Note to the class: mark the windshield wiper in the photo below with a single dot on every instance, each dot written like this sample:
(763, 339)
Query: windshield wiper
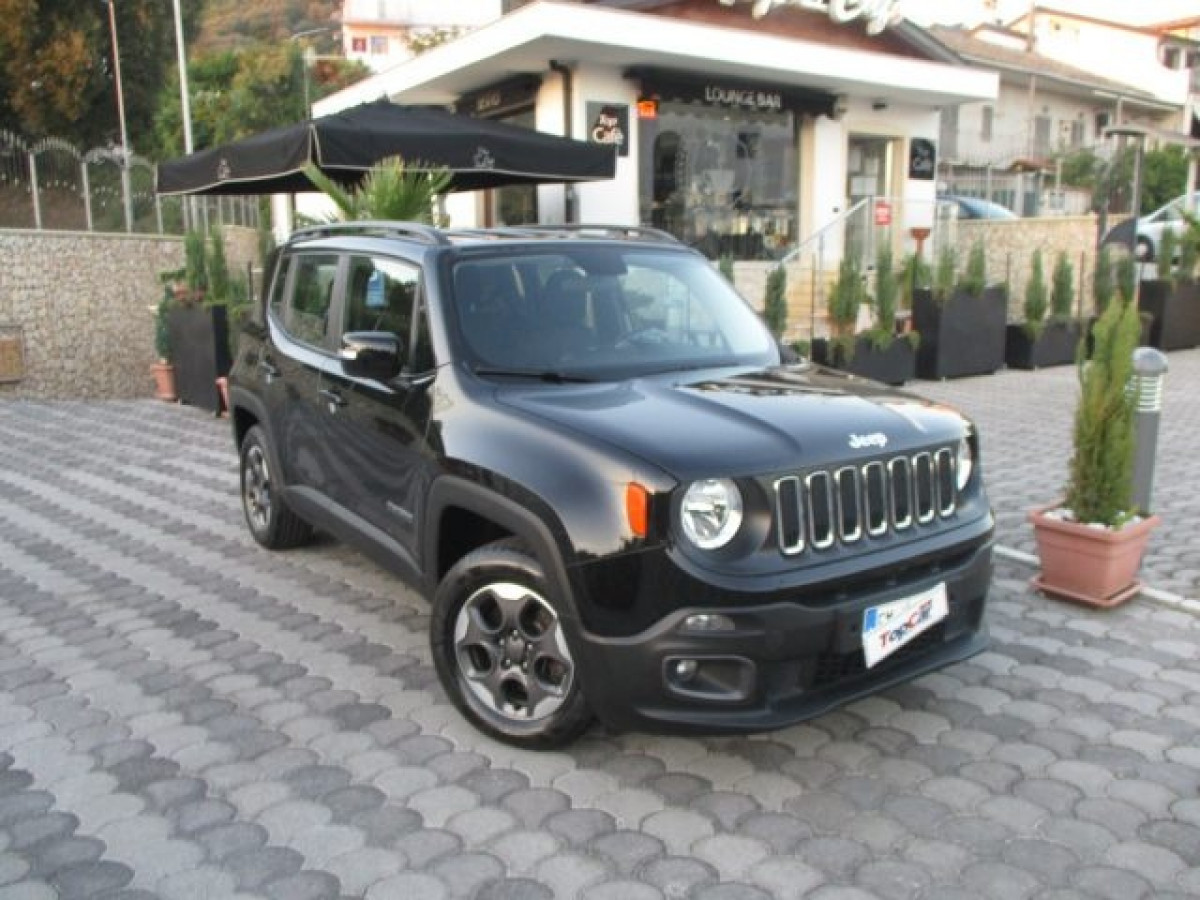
(551, 376)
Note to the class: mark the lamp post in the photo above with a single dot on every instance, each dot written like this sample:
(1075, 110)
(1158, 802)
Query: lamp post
(116, 51)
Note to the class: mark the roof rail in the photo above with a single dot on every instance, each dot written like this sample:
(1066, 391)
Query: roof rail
(586, 229)
(368, 227)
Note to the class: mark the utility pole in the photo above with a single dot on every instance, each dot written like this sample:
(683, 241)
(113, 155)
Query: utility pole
(126, 187)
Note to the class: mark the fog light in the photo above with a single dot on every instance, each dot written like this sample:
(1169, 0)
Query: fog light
(708, 622)
(685, 669)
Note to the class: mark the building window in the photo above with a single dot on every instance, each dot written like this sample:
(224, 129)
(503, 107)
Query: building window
(379, 45)
(986, 123)
(1077, 134)
(1041, 136)
(358, 45)
(948, 133)
(723, 180)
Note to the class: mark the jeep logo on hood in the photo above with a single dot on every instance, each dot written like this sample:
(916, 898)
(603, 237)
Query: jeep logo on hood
(874, 439)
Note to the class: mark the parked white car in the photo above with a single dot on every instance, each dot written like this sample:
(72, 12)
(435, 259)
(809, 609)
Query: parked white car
(1150, 227)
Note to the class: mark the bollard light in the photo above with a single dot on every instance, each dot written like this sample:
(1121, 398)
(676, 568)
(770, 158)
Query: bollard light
(1149, 376)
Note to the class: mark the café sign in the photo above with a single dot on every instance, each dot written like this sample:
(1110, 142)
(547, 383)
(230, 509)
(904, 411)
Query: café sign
(879, 14)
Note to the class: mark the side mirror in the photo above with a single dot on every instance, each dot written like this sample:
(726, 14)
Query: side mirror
(371, 354)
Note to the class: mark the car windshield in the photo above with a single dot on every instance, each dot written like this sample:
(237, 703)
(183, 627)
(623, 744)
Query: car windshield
(601, 312)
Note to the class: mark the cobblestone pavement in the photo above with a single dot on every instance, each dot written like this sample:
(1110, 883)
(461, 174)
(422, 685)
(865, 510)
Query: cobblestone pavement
(183, 715)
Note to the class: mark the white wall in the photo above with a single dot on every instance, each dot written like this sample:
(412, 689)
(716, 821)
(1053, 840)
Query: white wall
(612, 202)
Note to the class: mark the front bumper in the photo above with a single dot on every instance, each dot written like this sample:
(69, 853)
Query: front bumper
(784, 661)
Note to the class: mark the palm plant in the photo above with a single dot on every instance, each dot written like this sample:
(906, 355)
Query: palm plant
(391, 190)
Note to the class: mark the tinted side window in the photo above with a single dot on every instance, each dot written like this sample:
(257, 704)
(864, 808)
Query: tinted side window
(381, 296)
(307, 314)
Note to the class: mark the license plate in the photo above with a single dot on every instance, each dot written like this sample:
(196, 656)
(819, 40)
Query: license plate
(889, 627)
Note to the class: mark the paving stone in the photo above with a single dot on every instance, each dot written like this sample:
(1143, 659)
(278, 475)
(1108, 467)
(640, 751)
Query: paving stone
(578, 827)
(622, 890)
(1111, 883)
(304, 886)
(359, 869)
(421, 847)
(1157, 865)
(513, 889)
(678, 876)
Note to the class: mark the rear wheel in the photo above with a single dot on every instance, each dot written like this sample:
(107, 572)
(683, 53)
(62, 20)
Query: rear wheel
(271, 523)
(501, 651)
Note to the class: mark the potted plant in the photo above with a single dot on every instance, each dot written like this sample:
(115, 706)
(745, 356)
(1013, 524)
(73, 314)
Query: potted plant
(845, 297)
(1172, 300)
(199, 326)
(775, 302)
(1091, 544)
(962, 322)
(1043, 341)
(163, 371)
(878, 353)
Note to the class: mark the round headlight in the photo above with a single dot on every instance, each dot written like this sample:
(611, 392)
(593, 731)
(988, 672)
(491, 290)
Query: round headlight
(965, 464)
(711, 513)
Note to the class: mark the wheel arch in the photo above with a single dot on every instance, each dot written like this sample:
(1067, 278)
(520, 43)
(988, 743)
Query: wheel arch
(462, 516)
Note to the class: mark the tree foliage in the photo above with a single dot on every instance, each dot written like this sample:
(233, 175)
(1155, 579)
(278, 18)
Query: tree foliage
(56, 72)
(1062, 291)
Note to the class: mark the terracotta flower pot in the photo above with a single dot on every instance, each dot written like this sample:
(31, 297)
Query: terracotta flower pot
(1093, 566)
(164, 381)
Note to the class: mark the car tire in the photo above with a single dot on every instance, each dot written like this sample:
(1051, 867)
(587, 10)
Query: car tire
(1144, 250)
(270, 522)
(501, 651)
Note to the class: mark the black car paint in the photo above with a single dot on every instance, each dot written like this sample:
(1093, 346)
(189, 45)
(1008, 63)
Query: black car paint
(382, 464)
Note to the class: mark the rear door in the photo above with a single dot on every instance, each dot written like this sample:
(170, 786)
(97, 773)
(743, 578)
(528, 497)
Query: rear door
(299, 349)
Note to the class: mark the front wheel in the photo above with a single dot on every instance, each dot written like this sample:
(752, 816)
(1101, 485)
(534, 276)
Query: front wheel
(501, 652)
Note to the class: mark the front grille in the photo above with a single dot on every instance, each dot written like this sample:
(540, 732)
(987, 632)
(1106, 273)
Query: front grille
(842, 506)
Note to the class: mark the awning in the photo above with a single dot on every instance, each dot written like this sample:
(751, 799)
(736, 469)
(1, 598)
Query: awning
(479, 153)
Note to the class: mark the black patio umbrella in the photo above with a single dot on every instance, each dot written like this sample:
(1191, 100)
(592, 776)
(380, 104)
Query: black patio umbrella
(479, 153)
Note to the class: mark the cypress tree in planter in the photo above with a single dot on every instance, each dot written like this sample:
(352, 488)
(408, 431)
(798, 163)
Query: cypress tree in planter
(1173, 304)
(878, 354)
(1091, 545)
(1040, 342)
(198, 327)
(962, 327)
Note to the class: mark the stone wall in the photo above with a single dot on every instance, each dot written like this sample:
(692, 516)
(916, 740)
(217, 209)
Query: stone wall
(1010, 244)
(85, 304)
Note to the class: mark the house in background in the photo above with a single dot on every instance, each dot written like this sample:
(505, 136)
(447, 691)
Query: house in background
(380, 33)
(1007, 150)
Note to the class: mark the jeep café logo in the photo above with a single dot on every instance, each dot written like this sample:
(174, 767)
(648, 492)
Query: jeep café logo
(878, 13)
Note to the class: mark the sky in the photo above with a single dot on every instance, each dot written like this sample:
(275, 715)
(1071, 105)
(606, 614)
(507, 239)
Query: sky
(973, 11)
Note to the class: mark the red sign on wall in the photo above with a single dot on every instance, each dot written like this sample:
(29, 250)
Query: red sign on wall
(883, 212)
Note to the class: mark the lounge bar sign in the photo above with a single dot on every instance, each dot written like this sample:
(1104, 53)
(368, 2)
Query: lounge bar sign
(879, 14)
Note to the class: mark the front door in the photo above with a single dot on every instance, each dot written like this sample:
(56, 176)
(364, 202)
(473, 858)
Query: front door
(384, 461)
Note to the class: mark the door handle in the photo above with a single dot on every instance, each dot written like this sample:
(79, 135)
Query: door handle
(333, 398)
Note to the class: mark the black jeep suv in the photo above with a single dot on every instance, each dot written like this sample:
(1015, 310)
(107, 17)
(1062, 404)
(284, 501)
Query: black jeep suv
(622, 498)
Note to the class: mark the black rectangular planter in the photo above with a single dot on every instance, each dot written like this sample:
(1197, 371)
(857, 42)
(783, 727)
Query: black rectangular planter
(895, 364)
(200, 353)
(963, 336)
(1055, 346)
(1175, 311)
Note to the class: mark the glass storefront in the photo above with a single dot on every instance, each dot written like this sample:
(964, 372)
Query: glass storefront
(724, 180)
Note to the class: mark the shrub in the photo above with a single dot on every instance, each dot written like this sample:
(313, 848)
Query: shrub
(775, 301)
(1189, 249)
(1100, 483)
(218, 268)
(974, 280)
(847, 295)
(725, 267)
(1062, 291)
(1035, 298)
(1168, 246)
(943, 275)
(162, 332)
(195, 266)
(1102, 281)
(916, 275)
(886, 291)
(1127, 277)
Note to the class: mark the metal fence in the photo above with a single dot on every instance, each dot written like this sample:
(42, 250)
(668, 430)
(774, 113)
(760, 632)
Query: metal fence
(51, 185)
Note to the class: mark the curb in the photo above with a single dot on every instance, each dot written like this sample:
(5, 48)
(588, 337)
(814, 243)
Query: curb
(1164, 598)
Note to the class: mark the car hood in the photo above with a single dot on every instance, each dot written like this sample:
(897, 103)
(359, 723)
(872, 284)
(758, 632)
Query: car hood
(702, 424)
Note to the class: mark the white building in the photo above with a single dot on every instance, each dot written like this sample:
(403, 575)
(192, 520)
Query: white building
(378, 32)
(743, 134)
